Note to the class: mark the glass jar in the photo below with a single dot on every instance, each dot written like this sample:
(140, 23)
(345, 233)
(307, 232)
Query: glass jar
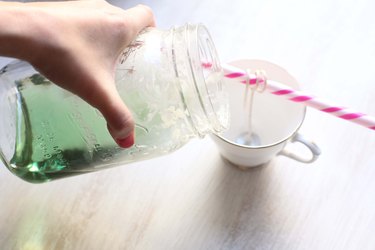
(170, 80)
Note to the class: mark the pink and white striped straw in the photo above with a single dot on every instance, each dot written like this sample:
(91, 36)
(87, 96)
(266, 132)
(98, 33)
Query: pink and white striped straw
(282, 90)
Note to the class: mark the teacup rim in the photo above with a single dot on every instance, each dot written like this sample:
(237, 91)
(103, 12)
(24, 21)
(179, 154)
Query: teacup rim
(295, 131)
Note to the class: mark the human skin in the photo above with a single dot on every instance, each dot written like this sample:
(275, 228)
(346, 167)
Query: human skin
(76, 45)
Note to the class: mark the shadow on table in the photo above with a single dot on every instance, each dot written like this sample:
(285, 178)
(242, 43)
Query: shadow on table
(246, 206)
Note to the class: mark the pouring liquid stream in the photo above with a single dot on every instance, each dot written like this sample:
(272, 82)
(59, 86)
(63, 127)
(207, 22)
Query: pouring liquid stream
(249, 138)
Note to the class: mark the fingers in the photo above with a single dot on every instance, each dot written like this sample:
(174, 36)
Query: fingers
(119, 120)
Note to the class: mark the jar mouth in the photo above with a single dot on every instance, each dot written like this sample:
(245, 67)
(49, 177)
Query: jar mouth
(207, 74)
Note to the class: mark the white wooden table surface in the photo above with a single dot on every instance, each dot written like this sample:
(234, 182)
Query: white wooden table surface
(192, 199)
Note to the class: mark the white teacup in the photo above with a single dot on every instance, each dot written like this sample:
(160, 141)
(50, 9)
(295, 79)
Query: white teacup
(275, 120)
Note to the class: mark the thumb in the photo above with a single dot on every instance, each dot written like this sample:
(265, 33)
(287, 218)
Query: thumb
(120, 122)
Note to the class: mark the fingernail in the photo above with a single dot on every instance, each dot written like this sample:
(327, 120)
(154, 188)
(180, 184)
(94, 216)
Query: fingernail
(126, 142)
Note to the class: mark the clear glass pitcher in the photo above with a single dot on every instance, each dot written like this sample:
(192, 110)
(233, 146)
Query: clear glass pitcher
(170, 80)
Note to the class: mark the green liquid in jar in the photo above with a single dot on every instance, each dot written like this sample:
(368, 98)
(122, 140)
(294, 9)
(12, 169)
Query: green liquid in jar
(59, 135)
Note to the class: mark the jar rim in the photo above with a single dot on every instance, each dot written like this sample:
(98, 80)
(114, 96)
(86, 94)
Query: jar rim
(207, 74)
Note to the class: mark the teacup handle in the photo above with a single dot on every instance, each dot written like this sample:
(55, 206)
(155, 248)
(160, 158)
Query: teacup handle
(315, 150)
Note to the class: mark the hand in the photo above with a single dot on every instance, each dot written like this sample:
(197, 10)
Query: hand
(76, 45)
